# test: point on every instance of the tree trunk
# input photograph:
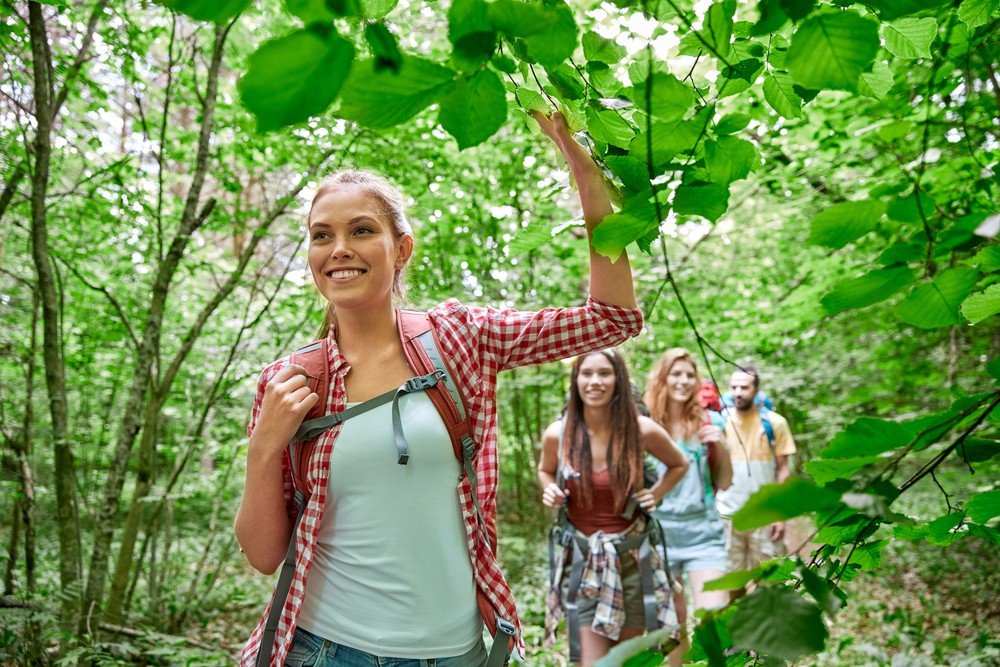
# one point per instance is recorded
(149, 349)
(68, 522)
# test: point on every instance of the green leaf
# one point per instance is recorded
(977, 450)
(975, 13)
(669, 100)
(668, 139)
(385, 50)
(376, 9)
(708, 641)
(731, 123)
(845, 222)
(632, 172)
(296, 76)
(616, 231)
(639, 651)
(991, 535)
(740, 578)
(730, 159)
(797, 9)
(908, 208)
(718, 26)
(602, 50)
(310, 11)
(901, 253)
(827, 470)
(867, 436)
(910, 37)
(549, 33)
(384, 99)
(531, 100)
(983, 506)
(940, 531)
(709, 200)
(936, 303)
(567, 81)
(779, 623)
(475, 109)
(869, 555)
(780, 94)
(471, 32)
(873, 287)
(988, 259)
(830, 51)
(217, 11)
(609, 127)
(890, 10)
(821, 590)
(777, 502)
(772, 17)
(983, 304)
(877, 82)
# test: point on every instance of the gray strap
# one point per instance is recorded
(572, 609)
(426, 340)
(266, 646)
(414, 384)
(500, 651)
(313, 427)
(649, 603)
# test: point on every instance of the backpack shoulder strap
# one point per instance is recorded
(315, 359)
(423, 353)
(765, 422)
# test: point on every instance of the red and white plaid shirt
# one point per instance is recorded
(477, 344)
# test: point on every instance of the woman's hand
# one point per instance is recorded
(555, 128)
(710, 434)
(646, 499)
(553, 496)
(287, 399)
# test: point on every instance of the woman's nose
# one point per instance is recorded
(341, 248)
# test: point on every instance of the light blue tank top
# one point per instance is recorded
(693, 495)
(391, 573)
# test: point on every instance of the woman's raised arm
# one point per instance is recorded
(610, 282)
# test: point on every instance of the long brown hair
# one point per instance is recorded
(657, 394)
(624, 449)
(391, 203)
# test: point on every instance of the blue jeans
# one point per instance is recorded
(309, 650)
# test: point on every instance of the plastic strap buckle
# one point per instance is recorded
(505, 626)
(422, 382)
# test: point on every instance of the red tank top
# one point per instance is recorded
(601, 514)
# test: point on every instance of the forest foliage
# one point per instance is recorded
(808, 184)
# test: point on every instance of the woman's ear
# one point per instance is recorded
(404, 250)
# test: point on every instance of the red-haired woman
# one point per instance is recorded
(600, 447)
(696, 539)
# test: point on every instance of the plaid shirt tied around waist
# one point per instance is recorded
(477, 343)
(602, 581)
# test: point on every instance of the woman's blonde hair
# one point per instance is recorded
(657, 394)
(391, 203)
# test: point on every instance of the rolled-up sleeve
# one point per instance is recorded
(507, 338)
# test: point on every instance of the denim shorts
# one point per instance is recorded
(695, 542)
(309, 650)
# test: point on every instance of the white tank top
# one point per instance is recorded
(392, 574)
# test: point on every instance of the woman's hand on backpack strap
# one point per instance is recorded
(553, 496)
(287, 399)
(710, 434)
(646, 499)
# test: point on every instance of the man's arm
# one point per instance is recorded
(781, 473)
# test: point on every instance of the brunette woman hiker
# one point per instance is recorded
(696, 539)
(608, 570)
(382, 507)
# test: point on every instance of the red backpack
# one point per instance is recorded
(420, 345)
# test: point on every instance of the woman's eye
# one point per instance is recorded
(363, 230)
(320, 236)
